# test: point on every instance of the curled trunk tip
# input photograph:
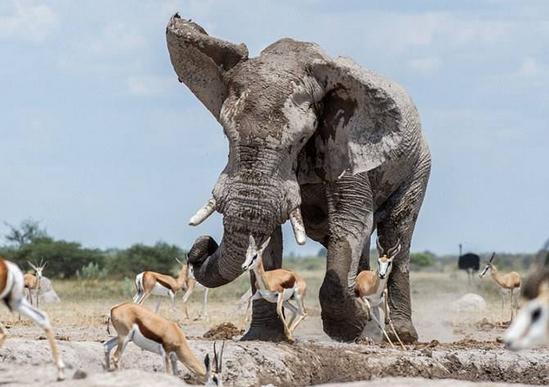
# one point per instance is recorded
(203, 247)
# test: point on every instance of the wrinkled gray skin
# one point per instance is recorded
(305, 130)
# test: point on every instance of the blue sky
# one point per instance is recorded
(104, 146)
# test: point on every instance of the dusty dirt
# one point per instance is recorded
(304, 363)
(455, 349)
(223, 331)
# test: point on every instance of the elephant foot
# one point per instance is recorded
(342, 330)
(343, 315)
(263, 333)
(405, 330)
(265, 325)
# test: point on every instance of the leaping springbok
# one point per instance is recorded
(163, 285)
(153, 333)
(11, 292)
(371, 289)
(32, 281)
(506, 281)
(278, 286)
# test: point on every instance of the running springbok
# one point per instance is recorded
(12, 293)
(32, 281)
(153, 333)
(151, 282)
(506, 281)
(371, 289)
(278, 286)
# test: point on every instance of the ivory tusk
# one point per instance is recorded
(203, 213)
(298, 227)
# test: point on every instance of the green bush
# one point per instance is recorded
(64, 258)
(139, 257)
(422, 260)
(92, 271)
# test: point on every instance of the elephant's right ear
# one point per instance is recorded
(200, 60)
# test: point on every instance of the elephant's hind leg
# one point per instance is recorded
(396, 221)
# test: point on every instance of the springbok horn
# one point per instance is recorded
(203, 213)
(220, 369)
(492, 257)
(178, 260)
(297, 225)
(215, 359)
(394, 250)
(379, 247)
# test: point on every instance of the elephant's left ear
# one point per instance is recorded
(363, 118)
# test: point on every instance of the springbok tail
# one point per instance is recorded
(109, 325)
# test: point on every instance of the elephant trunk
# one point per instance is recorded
(216, 265)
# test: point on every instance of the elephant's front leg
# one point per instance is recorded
(350, 218)
(265, 324)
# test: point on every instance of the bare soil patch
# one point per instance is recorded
(223, 331)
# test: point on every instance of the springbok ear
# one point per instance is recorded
(252, 242)
(200, 61)
(265, 244)
(362, 119)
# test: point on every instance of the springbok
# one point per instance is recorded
(214, 375)
(32, 281)
(531, 326)
(150, 282)
(190, 285)
(153, 333)
(278, 286)
(506, 281)
(12, 293)
(371, 289)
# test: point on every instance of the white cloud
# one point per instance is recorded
(425, 66)
(529, 67)
(149, 85)
(27, 20)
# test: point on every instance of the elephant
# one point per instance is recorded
(334, 148)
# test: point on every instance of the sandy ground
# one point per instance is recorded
(453, 345)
